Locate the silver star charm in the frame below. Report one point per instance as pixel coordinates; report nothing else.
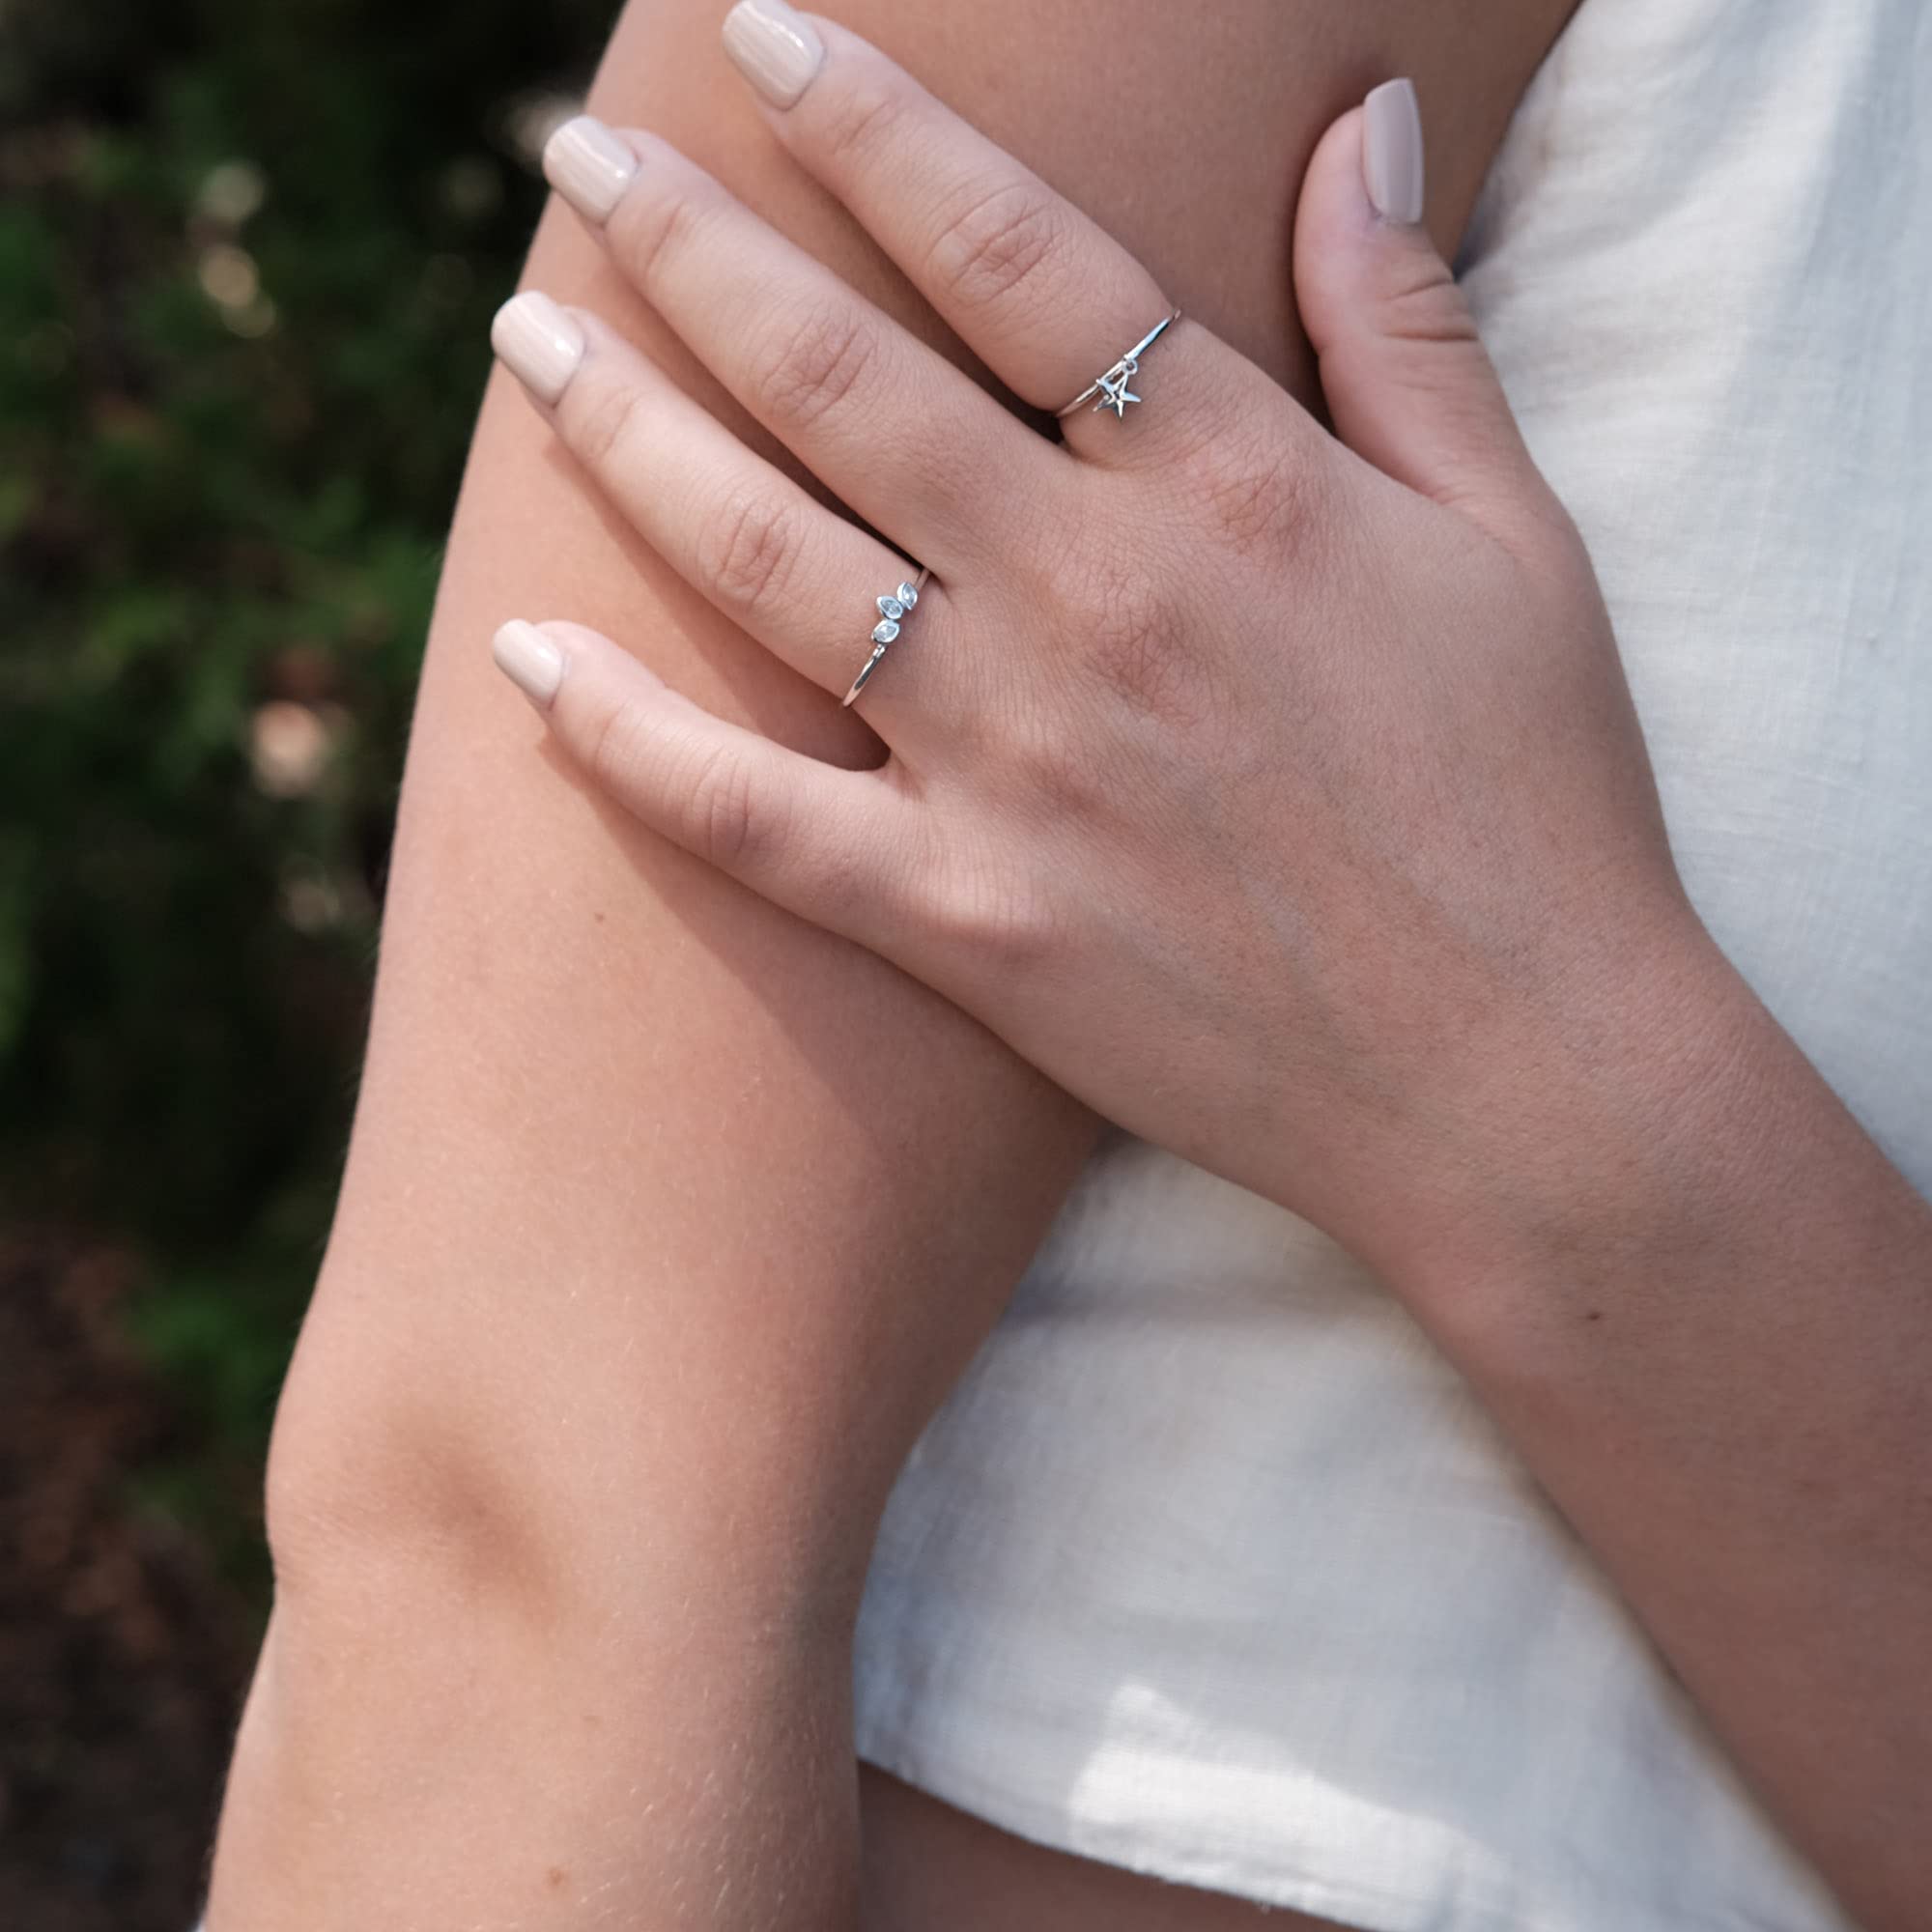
(1115, 396)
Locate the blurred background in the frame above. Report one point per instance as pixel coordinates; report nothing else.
(248, 256)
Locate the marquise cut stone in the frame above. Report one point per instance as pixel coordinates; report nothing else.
(884, 634)
(906, 595)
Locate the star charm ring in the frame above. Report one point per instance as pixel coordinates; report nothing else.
(1112, 387)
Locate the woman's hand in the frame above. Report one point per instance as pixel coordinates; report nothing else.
(1279, 795)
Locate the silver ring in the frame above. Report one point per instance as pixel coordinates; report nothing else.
(1112, 387)
(893, 607)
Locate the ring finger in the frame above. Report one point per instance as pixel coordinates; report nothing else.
(799, 578)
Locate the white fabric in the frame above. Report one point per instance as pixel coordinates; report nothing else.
(1210, 1568)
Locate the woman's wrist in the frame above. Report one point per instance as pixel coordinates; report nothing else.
(1696, 1305)
(1616, 1127)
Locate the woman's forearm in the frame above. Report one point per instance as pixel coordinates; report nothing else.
(1701, 1306)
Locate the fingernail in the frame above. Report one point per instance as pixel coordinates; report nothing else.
(1392, 151)
(540, 345)
(529, 661)
(589, 166)
(773, 48)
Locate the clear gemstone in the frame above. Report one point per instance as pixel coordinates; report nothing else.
(906, 595)
(891, 607)
(884, 634)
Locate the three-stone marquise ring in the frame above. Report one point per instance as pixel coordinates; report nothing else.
(894, 606)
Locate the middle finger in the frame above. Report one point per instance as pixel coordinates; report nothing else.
(1038, 290)
(903, 437)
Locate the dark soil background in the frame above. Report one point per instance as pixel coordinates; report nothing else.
(248, 257)
(124, 1650)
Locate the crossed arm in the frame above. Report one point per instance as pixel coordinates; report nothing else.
(668, 1219)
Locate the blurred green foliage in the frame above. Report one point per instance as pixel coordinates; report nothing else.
(247, 260)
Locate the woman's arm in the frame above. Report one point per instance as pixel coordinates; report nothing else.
(667, 1218)
(1699, 1301)
(1378, 885)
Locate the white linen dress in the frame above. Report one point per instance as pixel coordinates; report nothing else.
(1211, 1568)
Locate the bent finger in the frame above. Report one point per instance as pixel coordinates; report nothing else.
(858, 399)
(799, 578)
(1033, 285)
(1409, 383)
(837, 847)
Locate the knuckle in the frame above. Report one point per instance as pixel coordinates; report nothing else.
(606, 423)
(986, 915)
(809, 366)
(1134, 644)
(657, 229)
(1001, 242)
(746, 554)
(1419, 302)
(1059, 787)
(859, 120)
(1254, 486)
(615, 751)
(1043, 746)
(724, 821)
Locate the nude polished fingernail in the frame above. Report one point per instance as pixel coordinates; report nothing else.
(589, 166)
(1392, 151)
(774, 48)
(540, 344)
(529, 661)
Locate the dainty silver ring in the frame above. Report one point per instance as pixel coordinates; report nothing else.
(894, 607)
(1112, 387)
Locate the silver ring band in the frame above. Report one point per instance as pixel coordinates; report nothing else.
(893, 608)
(1112, 387)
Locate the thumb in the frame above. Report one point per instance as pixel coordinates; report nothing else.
(1409, 383)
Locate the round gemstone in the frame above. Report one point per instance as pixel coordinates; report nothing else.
(884, 634)
(891, 607)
